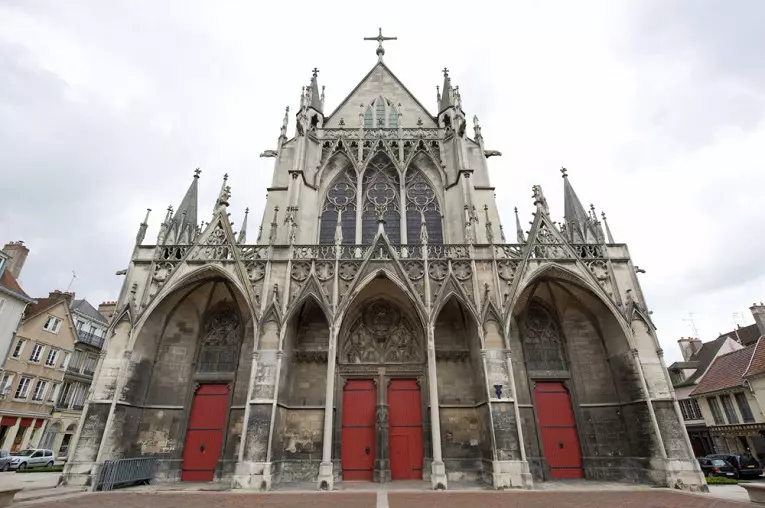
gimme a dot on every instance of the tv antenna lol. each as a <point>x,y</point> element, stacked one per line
<point>74,276</point>
<point>692,323</point>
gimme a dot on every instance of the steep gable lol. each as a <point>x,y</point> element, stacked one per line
<point>380,81</point>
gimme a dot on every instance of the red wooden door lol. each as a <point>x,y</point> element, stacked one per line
<point>357,447</point>
<point>204,437</point>
<point>560,440</point>
<point>405,429</point>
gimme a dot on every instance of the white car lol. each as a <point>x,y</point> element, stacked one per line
<point>32,457</point>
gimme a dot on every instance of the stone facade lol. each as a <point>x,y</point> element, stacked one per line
<point>381,257</point>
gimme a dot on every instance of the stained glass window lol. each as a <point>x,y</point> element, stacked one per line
<point>380,112</point>
<point>220,345</point>
<point>421,204</point>
<point>368,123</point>
<point>381,190</point>
<point>340,203</point>
<point>542,342</point>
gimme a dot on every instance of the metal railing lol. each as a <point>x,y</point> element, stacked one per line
<point>125,472</point>
<point>90,338</point>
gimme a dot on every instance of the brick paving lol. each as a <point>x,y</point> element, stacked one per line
<point>560,499</point>
<point>216,500</point>
<point>512,499</point>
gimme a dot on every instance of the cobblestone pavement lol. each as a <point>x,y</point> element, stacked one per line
<point>516,499</point>
<point>611,499</point>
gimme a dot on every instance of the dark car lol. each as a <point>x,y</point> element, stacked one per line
<point>743,463</point>
<point>716,467</point>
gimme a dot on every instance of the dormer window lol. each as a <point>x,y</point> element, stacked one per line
<point>52,324</point>
<point>381,114</point>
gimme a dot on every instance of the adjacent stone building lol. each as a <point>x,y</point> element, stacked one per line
<point>13,299</point>
<point>381,327</point>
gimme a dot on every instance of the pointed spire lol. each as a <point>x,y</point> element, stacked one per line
<point>243,232</point>
<point>609,237</point>
<point>446,94</point>
<point>477,129</point>
<point>519,229</point>
<point>578,224</point>
<point>285,123</point>
<point>223,195</point>
<point>539,199</point>
<point>142,228</point>
<point>182,225</point>
<point>316,97</point>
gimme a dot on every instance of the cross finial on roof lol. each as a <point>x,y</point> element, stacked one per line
<point>225,176</point>
<point>315,72</point>
<point>380,38</point>
<point>446,72</point>
<point>197,172</point>
<point>564,172</point>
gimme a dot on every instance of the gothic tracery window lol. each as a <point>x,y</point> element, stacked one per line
<point>340,209</point>
<point>542,340</point>
<point>381,114</point>
<point>220,342</point>
<point>381,193</point>
<point>422,205</point>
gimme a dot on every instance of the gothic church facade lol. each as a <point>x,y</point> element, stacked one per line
<point>381,327</point>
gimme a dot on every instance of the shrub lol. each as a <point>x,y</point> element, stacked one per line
<point>54,469</point>
<point>720,480</point>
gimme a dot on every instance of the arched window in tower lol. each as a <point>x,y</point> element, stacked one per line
<point>368,121</point>
<point>339,208</point>
<point>380,186</point>
<point>422,204</point>
<point>380,112</point>
<point>220,341</point>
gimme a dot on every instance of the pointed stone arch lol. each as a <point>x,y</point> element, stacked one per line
<point>451,288</point>
<point>335,164</point>
<point>422,202</point>
<point>339,202</point>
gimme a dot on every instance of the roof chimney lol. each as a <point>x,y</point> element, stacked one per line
<point>61,295</point>
<point>689,346</point>
<point>106,309</point>
<point>18,255</point>
<point>758,311</point>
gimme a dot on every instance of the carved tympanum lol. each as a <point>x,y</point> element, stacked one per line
<point>381,334</point>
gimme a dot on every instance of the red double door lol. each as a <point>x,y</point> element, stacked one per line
<point>560,440</point>
<point>204,438</point>
<point>404,429</point>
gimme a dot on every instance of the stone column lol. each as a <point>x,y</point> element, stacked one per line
<point>438,470</point>
<point>326,474</point>
<point>382,459</point>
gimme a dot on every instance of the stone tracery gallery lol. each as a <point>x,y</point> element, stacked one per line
<point>399,335</point>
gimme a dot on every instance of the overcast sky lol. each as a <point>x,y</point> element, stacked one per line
<point>656,109</point>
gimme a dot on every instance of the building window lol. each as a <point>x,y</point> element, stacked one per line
<point>23,389</point>
<point>64,361</point>
<point>39,392</point>
<point>690,409</point>
<point>37,350</point>
<point>730,412</point>
<point>53,392</point>
<point>52,324</point>
<point>90,365</point>
<point>421,207</point>
<point>50,360</point>
<point>65,395</point>
<point>743,406</point>
<point>220,347</point>
<point>368,121</point>
<point>380,187</point>
<point>19,347</point>
<point>715,408</point>
<point>340,208</point>
<point>5,384</point>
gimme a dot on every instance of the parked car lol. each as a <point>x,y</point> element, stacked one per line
<point>32,457</point>
<point>716,467</point>
<point>5,460</point>
<point>743,463</point>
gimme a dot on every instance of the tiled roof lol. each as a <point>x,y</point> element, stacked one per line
<point>704,358</point>
<point>727,371</point>
<point>748,334</point>
<point>42,304</point>
<point>84,307</point>
<point>757,365</point>
<point>10,283</point>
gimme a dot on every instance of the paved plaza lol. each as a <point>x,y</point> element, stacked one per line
<point>654,498</point>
